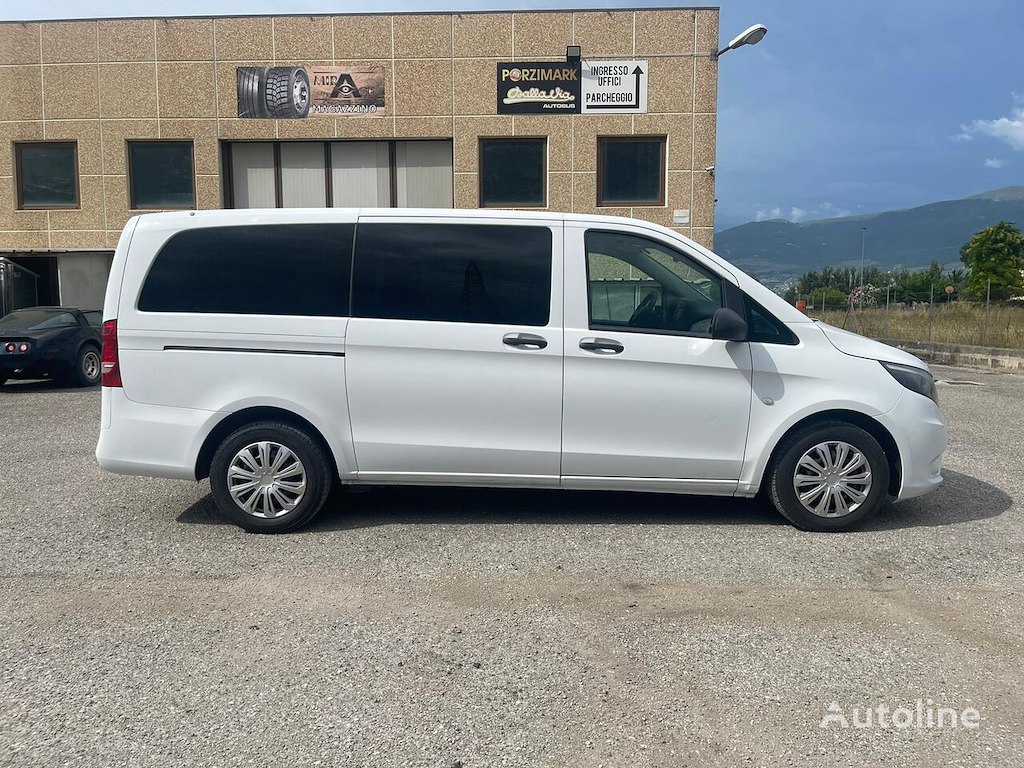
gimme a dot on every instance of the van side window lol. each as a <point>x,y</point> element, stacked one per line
<point>278,269</point>
<point>636,284</point>
<point>460,273</point>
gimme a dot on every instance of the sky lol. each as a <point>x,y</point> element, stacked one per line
<point>846,106</point>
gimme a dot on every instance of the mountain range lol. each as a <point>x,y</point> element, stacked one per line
<point>778,251</point>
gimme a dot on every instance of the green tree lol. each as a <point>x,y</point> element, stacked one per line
<point>995,253</point>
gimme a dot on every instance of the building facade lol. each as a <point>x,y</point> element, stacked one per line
<point>104,119</point>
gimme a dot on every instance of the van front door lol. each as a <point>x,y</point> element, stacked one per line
<point>650,397</point>
<point>454,350</point>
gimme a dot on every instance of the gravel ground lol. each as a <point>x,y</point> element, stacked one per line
<point>445,627</point>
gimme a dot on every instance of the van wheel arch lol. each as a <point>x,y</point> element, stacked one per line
<point>868,424</point>
<point>248,416</point>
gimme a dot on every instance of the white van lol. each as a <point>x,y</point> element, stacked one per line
<point>279,352</point>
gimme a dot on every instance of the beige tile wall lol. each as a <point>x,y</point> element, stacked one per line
<point>105,82</point>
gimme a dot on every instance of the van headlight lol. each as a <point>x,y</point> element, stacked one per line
<point>915,379</point>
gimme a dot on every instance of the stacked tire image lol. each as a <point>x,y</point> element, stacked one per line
<point>281,93</point>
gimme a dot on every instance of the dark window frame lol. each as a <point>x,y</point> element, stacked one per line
<point>481,141</point>
<point>19,192</point>
<point>662,171</point>
<point>131,189</point>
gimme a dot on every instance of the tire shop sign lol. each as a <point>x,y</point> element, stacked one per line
<point>284,93</point>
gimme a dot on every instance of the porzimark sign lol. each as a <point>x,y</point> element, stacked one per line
<point>614,87</point>
<point>539,88</point>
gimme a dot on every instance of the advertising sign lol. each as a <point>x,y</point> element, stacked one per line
<point>614,87</point>
<point>291,93</point>
<point>538,88</point>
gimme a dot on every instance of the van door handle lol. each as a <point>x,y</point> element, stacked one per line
<point>524,340</point>
<point>602,346</point>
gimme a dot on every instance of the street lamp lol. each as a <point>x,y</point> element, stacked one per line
<point>749,36</point>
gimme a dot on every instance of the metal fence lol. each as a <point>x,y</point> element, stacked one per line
<point>934,317</point>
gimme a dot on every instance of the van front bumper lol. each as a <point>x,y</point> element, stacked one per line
<point>920,433</point>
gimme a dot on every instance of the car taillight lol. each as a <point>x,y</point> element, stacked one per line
<point>110,370</point>
<point>11,346</point>
<point>23,347</point>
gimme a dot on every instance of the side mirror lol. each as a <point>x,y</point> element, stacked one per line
<point>728,325</point>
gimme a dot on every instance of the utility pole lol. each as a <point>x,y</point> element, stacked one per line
<point>863,235</point>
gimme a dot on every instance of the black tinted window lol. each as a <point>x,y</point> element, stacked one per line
<point>47,175</point>
<point>512,172</point>
<point>468,273</point>
<point>283,269</point>
<point>95,319</point>
<point>161,174</point>
<point>631,171</point>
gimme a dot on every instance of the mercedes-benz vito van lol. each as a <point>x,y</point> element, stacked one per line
<point>280,352</point>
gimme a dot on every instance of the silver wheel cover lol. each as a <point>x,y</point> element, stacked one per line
<point>832,479</point>
<point>266,479</point>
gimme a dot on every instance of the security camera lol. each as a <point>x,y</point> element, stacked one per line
<point>710,169</point>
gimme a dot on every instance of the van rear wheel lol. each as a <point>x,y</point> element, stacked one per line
<point>829,477</point>
<point>270,477</point>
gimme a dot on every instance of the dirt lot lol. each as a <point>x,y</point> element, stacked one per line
<point>437,627</point>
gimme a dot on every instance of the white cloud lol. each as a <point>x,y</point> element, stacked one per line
<point>994,162</point>
<point>825,210</point>
<point>1009,128</point>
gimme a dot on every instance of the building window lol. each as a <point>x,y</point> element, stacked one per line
<point>631,170</point>
<point>47,174</point>
<point>339,174</point>
<point>513,173</point>
<point>160,174</point>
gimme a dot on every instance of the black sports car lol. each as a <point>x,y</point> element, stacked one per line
<point>57,342</point>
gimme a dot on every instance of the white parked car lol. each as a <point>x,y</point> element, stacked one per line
<point>279,352</point>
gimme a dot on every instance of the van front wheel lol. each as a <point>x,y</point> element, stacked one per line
<point>829,477</point>
<point>270,477</point>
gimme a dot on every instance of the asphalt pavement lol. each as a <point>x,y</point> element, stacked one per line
<point>447,627</point>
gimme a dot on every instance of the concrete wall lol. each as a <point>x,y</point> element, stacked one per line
<point>104,82</point>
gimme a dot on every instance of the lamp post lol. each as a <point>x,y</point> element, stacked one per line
<point>863,235</point>
<point>749,36</point>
